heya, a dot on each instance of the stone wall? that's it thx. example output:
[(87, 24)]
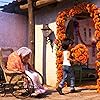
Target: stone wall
[(13, 30)]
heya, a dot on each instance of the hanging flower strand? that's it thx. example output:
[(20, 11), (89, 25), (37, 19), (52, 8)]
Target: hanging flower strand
[(61, 30)]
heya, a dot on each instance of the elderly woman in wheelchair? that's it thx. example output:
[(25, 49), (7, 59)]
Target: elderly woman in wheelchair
[(18, 61)]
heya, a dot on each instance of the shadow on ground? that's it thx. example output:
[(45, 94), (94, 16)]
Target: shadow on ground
[(48, 92)]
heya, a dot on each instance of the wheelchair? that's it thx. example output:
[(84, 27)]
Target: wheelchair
[(18, 84)]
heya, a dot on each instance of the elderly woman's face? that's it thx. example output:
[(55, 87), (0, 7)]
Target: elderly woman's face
[(26, 58)]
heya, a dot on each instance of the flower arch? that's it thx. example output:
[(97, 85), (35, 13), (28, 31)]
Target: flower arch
[(61, 30)]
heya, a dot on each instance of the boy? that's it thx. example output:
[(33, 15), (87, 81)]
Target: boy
[(67, 68)]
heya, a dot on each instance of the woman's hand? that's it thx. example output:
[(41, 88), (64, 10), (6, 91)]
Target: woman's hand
[(30, 67), (19, 72)]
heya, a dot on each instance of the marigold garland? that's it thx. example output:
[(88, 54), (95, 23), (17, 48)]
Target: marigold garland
[(98, 55), (61, 29), (80, 53), (97, 34), (98, 45)]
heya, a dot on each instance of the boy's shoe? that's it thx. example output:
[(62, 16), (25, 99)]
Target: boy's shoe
[(59, 90), (72, 91)]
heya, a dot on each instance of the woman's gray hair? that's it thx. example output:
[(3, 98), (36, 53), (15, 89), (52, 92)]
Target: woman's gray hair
[(23, 51)]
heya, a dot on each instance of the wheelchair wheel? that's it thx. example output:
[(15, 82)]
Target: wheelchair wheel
[(21, 86), (41, 78), (2, 90)]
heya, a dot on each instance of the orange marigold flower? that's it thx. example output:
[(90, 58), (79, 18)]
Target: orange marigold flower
[(97, 63), (97, 34), (98, 45), (80, 53), (59, 53), (98, 55)]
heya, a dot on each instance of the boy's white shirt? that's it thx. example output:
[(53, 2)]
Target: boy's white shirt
[(66, 55)]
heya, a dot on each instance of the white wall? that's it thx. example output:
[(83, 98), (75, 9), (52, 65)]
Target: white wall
[(13, 30), (44, 57)]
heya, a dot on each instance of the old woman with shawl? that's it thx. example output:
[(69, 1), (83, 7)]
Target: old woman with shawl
[(19, 61)]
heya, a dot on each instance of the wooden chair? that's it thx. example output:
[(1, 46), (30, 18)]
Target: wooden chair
[(4, 53), (14, 81)]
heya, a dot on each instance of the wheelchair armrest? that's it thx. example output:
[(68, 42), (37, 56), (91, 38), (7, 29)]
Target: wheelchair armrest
[(12, 72)]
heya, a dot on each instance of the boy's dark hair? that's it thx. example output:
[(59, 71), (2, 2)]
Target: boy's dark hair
[(66, 43)]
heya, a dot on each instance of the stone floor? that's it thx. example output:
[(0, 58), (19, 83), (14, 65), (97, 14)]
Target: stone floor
[(84, 92)]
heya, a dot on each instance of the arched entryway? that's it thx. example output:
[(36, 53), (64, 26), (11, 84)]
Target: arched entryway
[(64, 18)]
